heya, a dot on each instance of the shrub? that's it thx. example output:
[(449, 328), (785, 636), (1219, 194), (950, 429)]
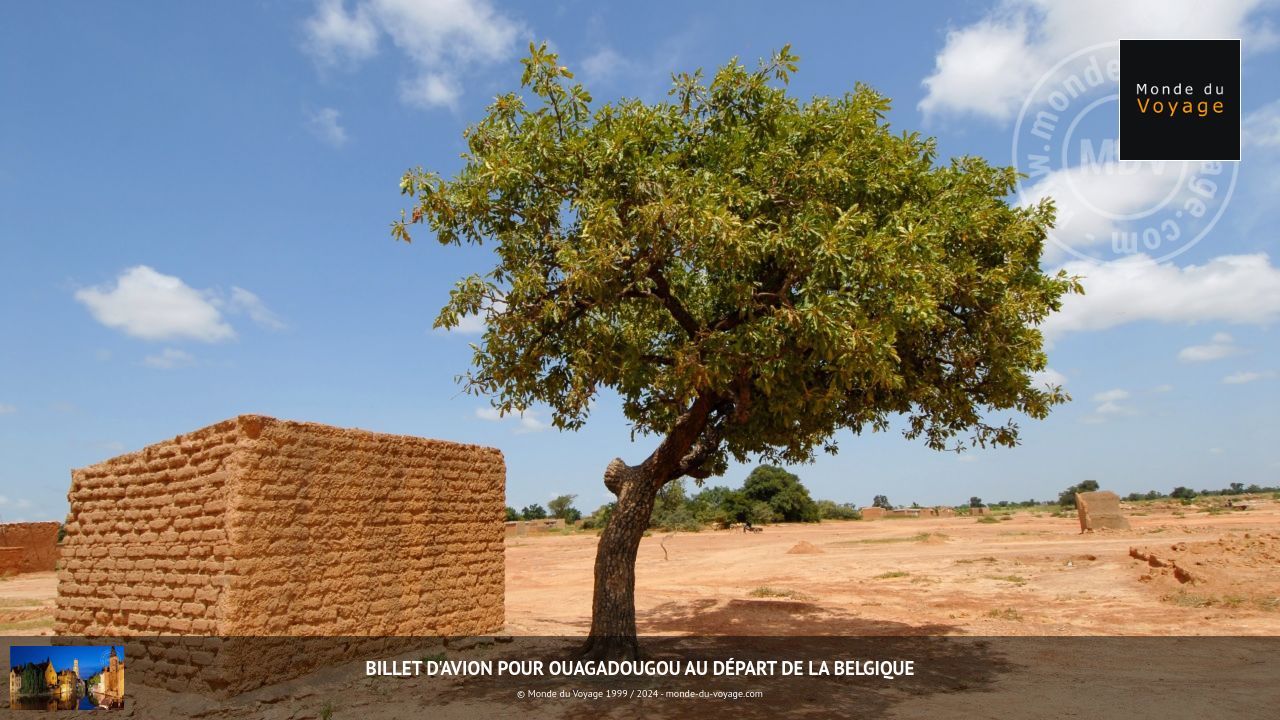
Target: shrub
[(830, 510)]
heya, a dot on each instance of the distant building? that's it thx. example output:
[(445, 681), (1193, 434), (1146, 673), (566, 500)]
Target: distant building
[(111, 680)]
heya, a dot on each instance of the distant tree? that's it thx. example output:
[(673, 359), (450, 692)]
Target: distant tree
[(533, 512), (882, 501), (1237, 488), (512, 514), (975, 502), (831, 510), (783, 491), (598, 519), (562, 507), (751, 271), (1067, 498), (1183, 493)]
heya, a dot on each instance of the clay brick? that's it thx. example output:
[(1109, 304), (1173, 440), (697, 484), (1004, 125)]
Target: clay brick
[(281, 528)]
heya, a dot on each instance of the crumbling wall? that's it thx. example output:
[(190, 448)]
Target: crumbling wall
[(146, 548), (872, 513), (1100, 510), (39, 543), (261, 527), (344, 532), (10, 561)]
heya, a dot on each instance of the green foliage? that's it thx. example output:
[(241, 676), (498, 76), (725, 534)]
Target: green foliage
[(793, 264), (562, 507), (673, 511), (1067, 498), (512, 514), (975, 502), (830, 510), (533, 512), (1183, 493), (787, 498), (598, 519), (882, 501)]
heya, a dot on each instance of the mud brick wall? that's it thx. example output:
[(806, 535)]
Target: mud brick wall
[(39, 543), (10, 560), (256, 526)]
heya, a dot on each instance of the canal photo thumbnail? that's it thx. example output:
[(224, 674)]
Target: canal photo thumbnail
[(66, 677)]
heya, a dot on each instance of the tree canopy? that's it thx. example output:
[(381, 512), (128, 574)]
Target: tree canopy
[(783, 268)]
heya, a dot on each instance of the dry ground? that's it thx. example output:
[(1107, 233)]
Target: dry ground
[(1029, 575), (1024, 576)]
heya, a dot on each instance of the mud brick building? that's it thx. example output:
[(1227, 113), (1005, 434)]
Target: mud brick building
[(261, 527), (37, 544)]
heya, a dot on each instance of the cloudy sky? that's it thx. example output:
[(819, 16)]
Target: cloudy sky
[(195, 199)]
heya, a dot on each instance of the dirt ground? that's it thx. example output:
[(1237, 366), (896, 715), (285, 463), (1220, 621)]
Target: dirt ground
[(1178, 572), (1026, 575)]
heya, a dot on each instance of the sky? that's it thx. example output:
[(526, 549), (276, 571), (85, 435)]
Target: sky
[(93, 658), (195, 202)]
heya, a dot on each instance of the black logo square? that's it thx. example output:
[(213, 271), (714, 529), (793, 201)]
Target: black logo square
[(1179, 99)]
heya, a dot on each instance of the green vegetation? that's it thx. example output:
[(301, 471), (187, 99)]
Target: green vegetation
[(768, 592), (752, 272), (562, 507), (987, 519), (533, 512), (1067, 498), (892, 574), (326, 710), (1005, 614), (1015, 579)]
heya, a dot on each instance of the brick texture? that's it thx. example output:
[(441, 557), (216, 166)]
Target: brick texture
[(10, 560), (261, 527), (39, 543)]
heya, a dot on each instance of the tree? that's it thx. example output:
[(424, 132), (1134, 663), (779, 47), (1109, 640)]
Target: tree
[(562, 507), (747, 271), (785, 495), (1067, 498), (533, 512), (1182, 493), (882, 501), (975, 502), (512, 514)]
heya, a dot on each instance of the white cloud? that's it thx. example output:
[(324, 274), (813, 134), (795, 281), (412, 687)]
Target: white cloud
[(441, 38), (1238, 289), (6, 409), (1220, 346), (150, 305), (988, 68), (324, 124), (153, 306), (334, 35), (1047, 379), (527, 421), (603, 65), (1243, 377), (1261, 128), (243, 301), (168, 359), (1122, 189), (1109, 404)]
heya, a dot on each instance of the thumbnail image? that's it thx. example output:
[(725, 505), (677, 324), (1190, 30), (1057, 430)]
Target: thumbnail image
[(66, 677)]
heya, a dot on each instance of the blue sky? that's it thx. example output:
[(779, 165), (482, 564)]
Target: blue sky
[(195, 199), (92, 657)]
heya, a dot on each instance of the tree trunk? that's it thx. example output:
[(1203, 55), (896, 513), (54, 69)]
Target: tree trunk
[(613, 608)]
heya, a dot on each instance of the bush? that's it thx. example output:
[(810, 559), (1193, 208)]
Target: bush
[(830, 510), (788, 499), (512, 514), (598, 519), (533, 512)]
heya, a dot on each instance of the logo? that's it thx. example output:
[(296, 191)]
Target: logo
[(1067, 145)]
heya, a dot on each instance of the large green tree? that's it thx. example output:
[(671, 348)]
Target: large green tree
[(748, 271)]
